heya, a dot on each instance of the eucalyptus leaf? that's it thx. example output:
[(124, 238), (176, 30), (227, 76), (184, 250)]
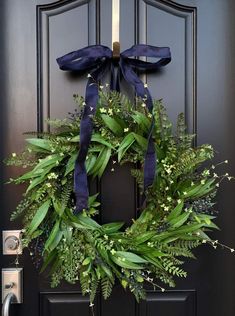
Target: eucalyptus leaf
[(90, 162), (112, 227), (39, 216), (97, 138), (142, 141), (70, 164), (112, 124), (130, 256), (54, 237), (180, 220), (175, 212), (35, 182), (125, 145), (142, 121), (104, 162), (101, 162), (122, 262), (39, 142)]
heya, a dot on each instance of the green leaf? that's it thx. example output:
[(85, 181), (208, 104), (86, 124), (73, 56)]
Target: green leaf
[(75, 139), (70, 164), (188, 228), (105, 162), (112, 124), (125, 145), (39, 216), (81, 221), (90, 162), (175, 212), (39, 142), (48, 161), (54, 237), (139, 279), (141, 141), (86, 261), (180, 220), (43, 167), (122, 262), (99, 139), (124, 283), (35, 182), (153, 260), (143, 249), (58, 206), (207, 219), (183, 230), (144, 237), (130, 256), (101, 162), (87, 221), (142, 121), (200, 189), (37, 233), (92, 199), (112, 227)]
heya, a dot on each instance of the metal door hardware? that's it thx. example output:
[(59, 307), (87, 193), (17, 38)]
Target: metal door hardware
[(6, 303), (12, 282), (11, 242)]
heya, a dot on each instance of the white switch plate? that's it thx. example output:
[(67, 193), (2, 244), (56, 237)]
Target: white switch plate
[(15, 276)]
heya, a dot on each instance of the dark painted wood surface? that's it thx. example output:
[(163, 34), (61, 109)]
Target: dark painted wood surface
[(199, 81)]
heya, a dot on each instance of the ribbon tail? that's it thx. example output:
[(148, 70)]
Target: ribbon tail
[(86, 126), (150, 155)]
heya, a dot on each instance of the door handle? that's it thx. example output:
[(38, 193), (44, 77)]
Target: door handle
[(7, 302), (12, 288)]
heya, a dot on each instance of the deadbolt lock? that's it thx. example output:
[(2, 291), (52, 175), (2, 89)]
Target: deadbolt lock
[(11, 242)]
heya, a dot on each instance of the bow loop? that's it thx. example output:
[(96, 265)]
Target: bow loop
[(99, 59)]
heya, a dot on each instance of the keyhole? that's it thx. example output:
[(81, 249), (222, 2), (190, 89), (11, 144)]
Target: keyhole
[(12, 242)]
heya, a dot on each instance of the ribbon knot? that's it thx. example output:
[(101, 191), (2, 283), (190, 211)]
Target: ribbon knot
[(98, 59)]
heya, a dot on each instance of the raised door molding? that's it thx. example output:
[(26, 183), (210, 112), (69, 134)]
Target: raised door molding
[(65, 303), (62, 26), (167, 23), (170, 303)]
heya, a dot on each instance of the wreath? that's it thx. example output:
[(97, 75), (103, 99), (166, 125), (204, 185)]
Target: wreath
[(179, 209)]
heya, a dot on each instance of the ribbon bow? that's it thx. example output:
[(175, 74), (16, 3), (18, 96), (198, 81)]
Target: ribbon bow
[(98, 59)]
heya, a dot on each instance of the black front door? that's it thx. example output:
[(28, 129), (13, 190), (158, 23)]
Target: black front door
[(199, 82)]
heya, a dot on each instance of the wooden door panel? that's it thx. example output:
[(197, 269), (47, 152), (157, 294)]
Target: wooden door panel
[(182, 303), (61, 304), (62, 27), (163, 23)]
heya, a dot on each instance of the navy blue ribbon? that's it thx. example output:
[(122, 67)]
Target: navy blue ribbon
[(98, 59)]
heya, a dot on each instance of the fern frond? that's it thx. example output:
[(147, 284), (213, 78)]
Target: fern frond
[(66, 193), (94, 287), (179, 251), (106, 286), (163, 126), (165, 277), (21, 209), (84, 282), (184, 140), (170, 267), (191, 158), (187, 244)]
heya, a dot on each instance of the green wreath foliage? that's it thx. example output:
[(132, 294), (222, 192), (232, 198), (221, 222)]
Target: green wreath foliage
[(179, 207)]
